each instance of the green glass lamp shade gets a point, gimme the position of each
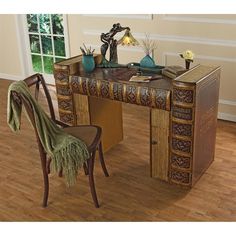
(128, 39)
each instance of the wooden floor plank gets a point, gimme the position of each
(129, 194)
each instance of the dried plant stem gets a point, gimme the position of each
(148, 45)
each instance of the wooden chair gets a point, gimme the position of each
(90, 134)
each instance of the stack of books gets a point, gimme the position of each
(173, 71)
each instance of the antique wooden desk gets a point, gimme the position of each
(183, 113)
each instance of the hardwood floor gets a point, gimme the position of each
(129, 194)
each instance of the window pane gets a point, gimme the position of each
(59, 45)
(48, 65)
(47, 45)
(57, 24)
(34, 43)
(32, 23)
(37, 63)
(44, 22)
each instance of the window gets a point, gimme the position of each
(47, 39)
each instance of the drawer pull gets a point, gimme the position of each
(154, 142)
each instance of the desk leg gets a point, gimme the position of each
(102, 112)
(159, 143)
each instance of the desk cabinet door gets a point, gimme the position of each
(159, 143)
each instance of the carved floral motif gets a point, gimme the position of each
(180, 161)
(117, 91)
(131, 94)
(65, 104)
(180, 176)
(66, 118)
(92, 86)
(160, 100)
(182, 129)
(84, 85)
(105, 89)
(145, 96)
(63, 90)
(182, 113)
(61, 75)
(182, 95)
(181, 145)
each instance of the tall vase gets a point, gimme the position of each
(88, 63)
(147, 61)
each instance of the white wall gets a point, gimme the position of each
(10, 63)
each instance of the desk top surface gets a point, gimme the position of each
(122, 75)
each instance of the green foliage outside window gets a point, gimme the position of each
(47, 42)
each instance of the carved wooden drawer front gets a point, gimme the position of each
(180, 161)
(67, 118)
(182, 112)
(183, 95)
(65, 104)
(182, 145)
(63, 89)
(61, 76)
(180, 177)
(182, 129)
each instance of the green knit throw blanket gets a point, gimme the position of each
(66, 151)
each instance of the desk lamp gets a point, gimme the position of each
(110, 42)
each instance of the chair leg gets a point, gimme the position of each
(45, 178)
(91, 179)
(102, 160)
(85, 169)
(48, 165)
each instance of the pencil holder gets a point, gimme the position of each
(88, 63)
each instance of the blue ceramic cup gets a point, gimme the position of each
(88, 63)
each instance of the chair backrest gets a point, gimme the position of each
(36, 80)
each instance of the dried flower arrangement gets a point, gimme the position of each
(148, 45)
(87, 51)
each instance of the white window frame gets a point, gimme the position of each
(25, 47)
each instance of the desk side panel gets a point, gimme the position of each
(207, 97)
(193, 124)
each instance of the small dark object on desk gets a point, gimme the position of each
(144, 78)
(155, 70)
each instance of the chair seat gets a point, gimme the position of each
(87, 133)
